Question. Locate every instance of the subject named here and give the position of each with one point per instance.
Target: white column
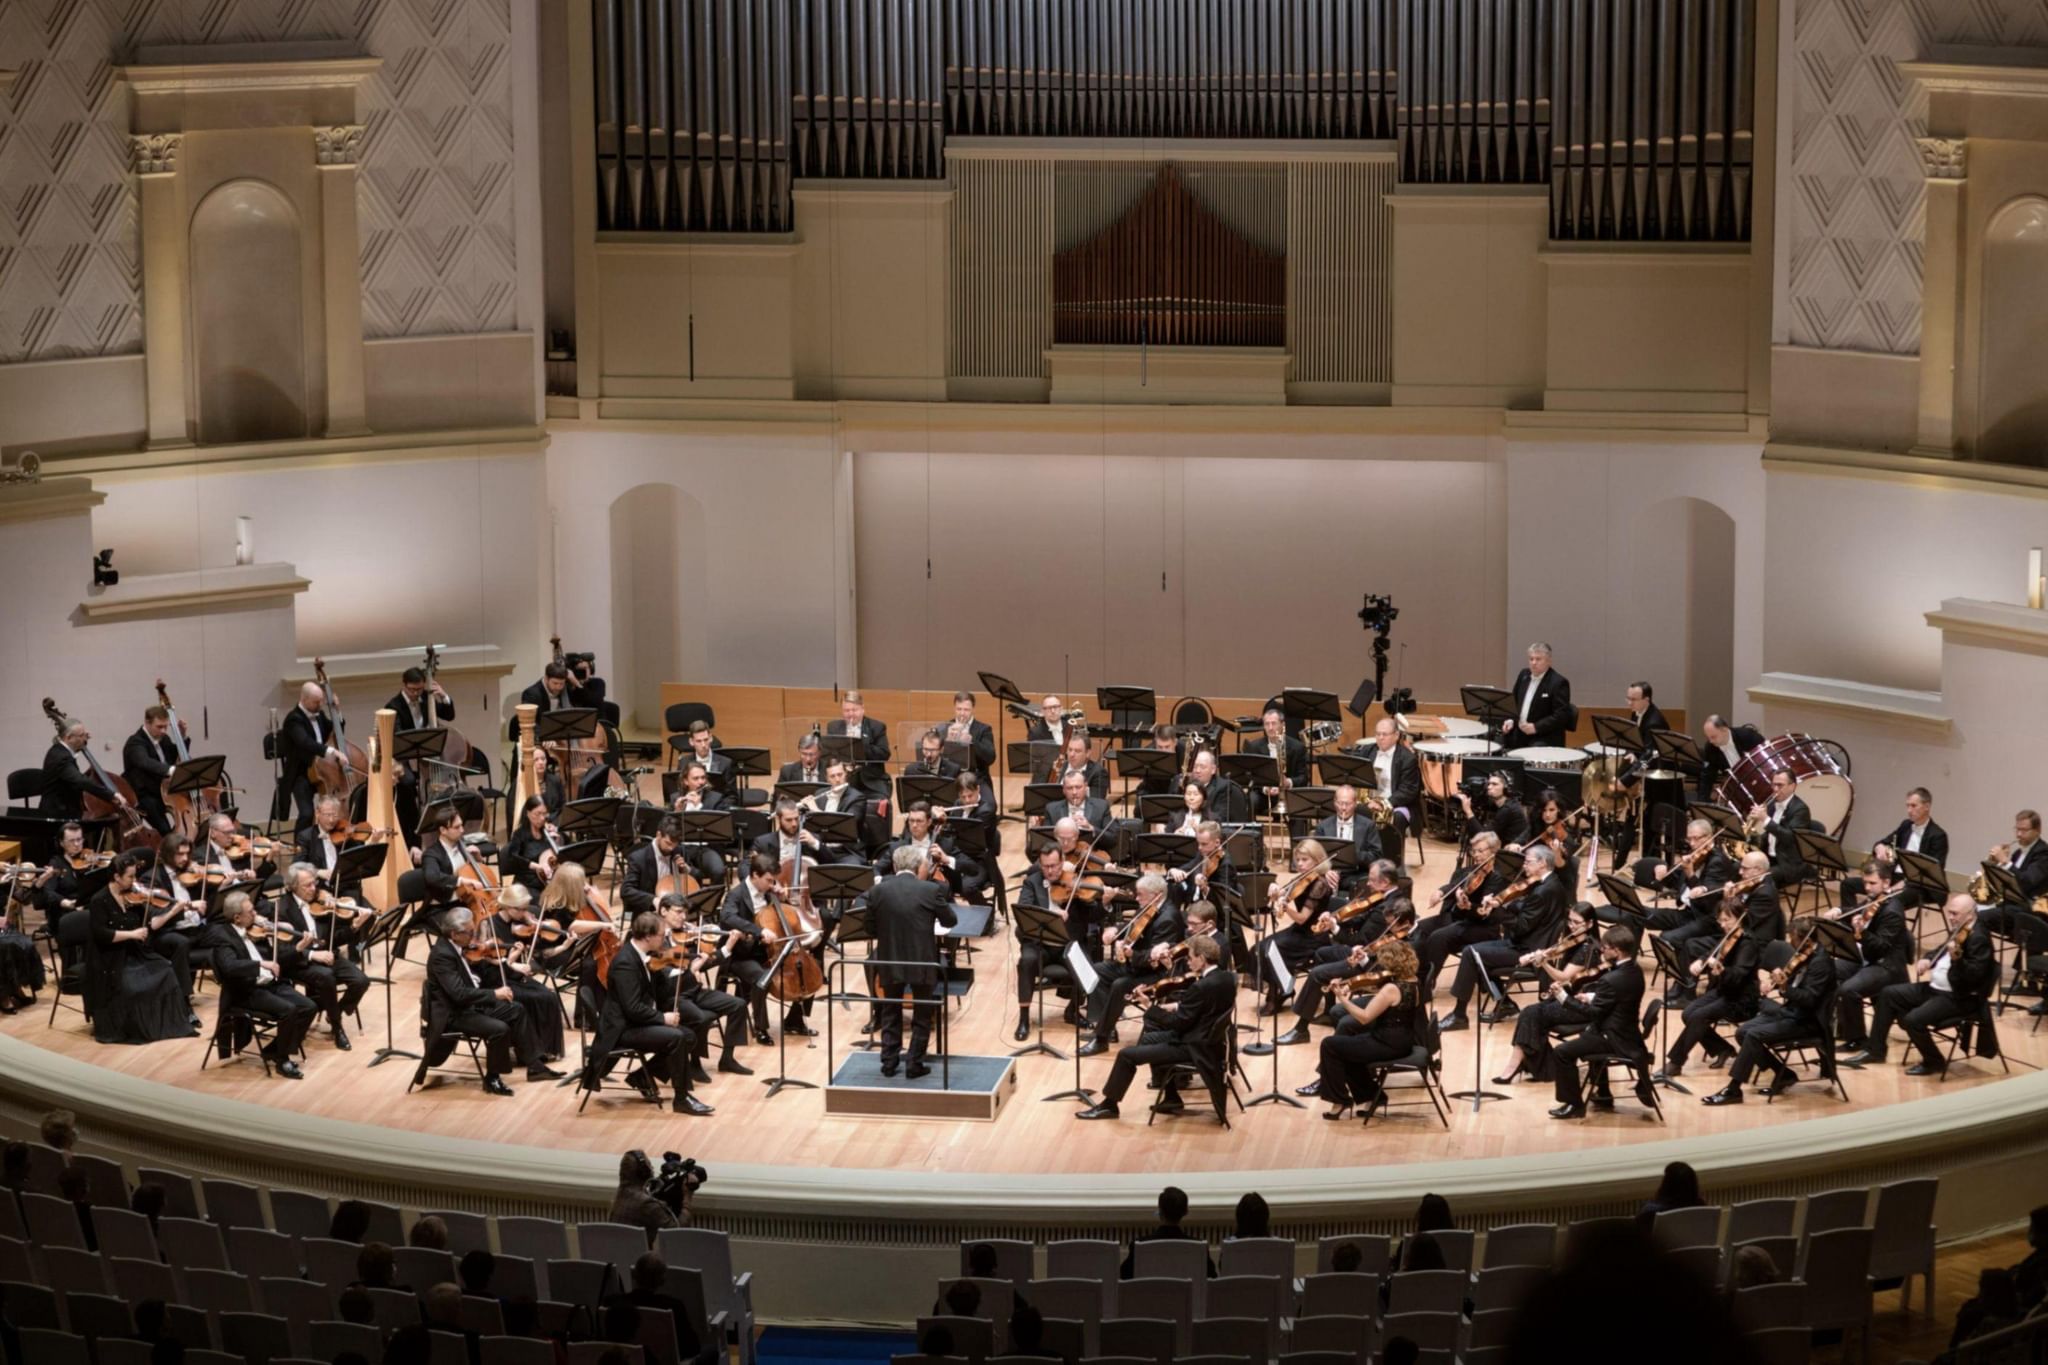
(335, 151)
(154, 159)
(1947, 163)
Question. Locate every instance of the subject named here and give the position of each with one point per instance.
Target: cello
(789, 918)
(115, 800)
(331, 776)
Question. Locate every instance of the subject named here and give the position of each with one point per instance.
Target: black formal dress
(518, 855)
(542, 1005)
(908, 913)
(1538, 1024)
(133, 991)
(21, 967)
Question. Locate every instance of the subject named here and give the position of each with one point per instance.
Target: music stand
(1314, 804)
(1924, 875)
(748, 760)
(1838, 937)
(418, 750)
(1479, 1094)
(589, 855)
(1138, 765)
(1283, 983)
(795, 790)
(1036, 837)
(838, 827)
(1251, 771)
(1163, 809)
(1620, 732)
(1679, 751)
(1488, 705)
(359, 862)
(852, 750)
(1170, 850)
(379, 933)
(1672, 967)
(1350, 770)
(194, 775)
(930, 789)
(1822, 852)
(1245, 845)
(1047, 929)
(706, 828)
(1727, 824)
(1039, 795)
(782, 1080)
(1624, 896)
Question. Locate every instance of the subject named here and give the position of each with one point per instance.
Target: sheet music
(1081, 967)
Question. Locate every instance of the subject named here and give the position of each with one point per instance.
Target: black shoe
(889, 1068)
(912, 1070)
(643, 1083)
(1717, 1061)
(871, 1027)
(543, 1072)
(1668, 1074)
(289, 1070)
(797, 1028)
(341, 1042)
(1023, 1033)
(1105, 1110)
(1094, 1047)
(1731, 1095)
(1309, 1091)
(731, 1067)
(1780, 1083)
(1507, 1009)
(1451, 1023)
(1569, 1111)
(765, 1038)
(1601, 1104)
(495, 1085)
(690, 1104)
(1508, 1079)
(698, 1075)
(1072, 1013)
(1926, 1068)
(1294, 1037)
(1862, 1059)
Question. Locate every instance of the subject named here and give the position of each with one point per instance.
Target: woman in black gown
(1391, 1019)
(526, 856)
(133, 993)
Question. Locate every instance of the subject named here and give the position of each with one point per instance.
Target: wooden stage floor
(1028, 1137)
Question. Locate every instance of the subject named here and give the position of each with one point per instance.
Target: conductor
(907, 911)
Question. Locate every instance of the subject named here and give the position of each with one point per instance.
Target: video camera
(675, 1179)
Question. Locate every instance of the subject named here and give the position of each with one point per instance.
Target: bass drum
(1820, 777)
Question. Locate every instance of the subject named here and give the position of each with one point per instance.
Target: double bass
(186, 815)
(456, 750)
(331, 776)
(115, 800)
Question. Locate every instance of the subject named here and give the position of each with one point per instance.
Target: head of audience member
(981, 1261)
(650, 1272)
(1433, 1214)
(475, 1270)
(351, 1221)
(441, 1306)
(963, 1299)
(1423, 1252)
(1680, 1187)
(59, 1129)
(1173, 1205)
(1346, 1259)
(353, 1304)
(429, 1232)
(148, 1200)
(1254, 1219)
(1751, 1267)
(376, 1266)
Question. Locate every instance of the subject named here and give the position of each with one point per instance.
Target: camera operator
(588, 689)
(655, 1200)
(1497, 809)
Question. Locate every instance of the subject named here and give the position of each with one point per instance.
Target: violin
(88, 862)
(1353, 909)
(1781, 975)
(679, 953)
(245, 846)
(1717, 958)
(271, 929)
(342, 835)
(1511, 892)
(1564, 989)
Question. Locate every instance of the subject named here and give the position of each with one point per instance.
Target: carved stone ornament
(1945, 158)
(154, 153)
(337, 146)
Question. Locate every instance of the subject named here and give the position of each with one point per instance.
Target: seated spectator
(1433, 1214)
(149, 1200)
(1995, 1308)
(2030, 1276)
(1752, 1267)
(441, 1311)
(650, 1274)
(59, 1129)
(981, 1261)
(72, 1185)
(962, 1299)
(1346, 1259)
(1027, 1333)
(1254, 1219)
(476, 1269)
(1680, 1189)
(1612, 1293)
(430, 1233)
(353, 1305)
(1173, 1207)
(377, 1268)
(351, 1221)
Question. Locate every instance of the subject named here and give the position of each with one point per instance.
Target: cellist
(754, 947)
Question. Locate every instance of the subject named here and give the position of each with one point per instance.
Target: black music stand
(1727, 824)
(1159, 809)
(194, 775)
(1621, 732)
(1303, 706)
(380, 932)
(706, 828)
(1144, 765)
(837, 827)
(359, 862)
(1924, 875)
(1349, 770)
(1246, 846)
(1169, 850)
(748, 760)
(1313, 804)
(852, 750)
(1253, 772)
(1479, 1094)
(1283, 983)
(1006, 695)
(1671, 967)
(932, 790)
(1624, 896)
(1678, 751)
(1488, 705)
(1047, 929)
(795, 790)
(853, 927)
(1129, 708)
(782, 1080)
(1839, 937)
(1085, 976)
(419, 750)
(590, 855)
(1039, 795)
(598, 818)
(1823, 856)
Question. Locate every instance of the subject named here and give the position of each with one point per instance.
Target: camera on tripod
(1378, 613)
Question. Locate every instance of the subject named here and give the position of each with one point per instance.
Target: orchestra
(675, 934)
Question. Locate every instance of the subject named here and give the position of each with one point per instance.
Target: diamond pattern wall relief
(1856, 192)
(434, 190)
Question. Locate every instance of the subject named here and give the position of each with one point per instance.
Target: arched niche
(248, 315)
(2012, 380)
(657, 554)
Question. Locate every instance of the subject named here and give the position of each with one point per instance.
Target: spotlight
(104, 574)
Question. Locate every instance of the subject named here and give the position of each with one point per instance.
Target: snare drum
(1542, 759)
(1819, 779)
(1443, 763)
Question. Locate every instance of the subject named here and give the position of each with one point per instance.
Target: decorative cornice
(248, 66)
(1996, 625)
(1945, 158)
(178, 594)
(48, 498)
(154, 153)
(1887, 705)
(1976, 70)
(337, 146)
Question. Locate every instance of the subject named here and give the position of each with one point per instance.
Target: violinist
(68, 776)
(324, 841)
(21, 968)
(569, 904)
(1173, 1033)
(1575, 953)
(1390, 1020)
(1211, 876)
(937, 855)
(1763, 914)
(304, 739)
(1884, 945)
(1222, 798)
(132, 991)
(177, 912)
(1607, 1019)
(1089, 813)
(1273, 740)
(320, 930)
(805, 767)
(1135, 954)
(965, 732)
(1460, 920)
(1728, 978)
(146, 760)
(514, 929)
(1799, 1013)
(1346, 824)
(1695, 878)
(855, 723)
(699, 1005)
(1047, 886)
(1347, 951)
(1500, 812)
(1559, 830)
(753, 947)
(441, 860)
(527, 856)
(1955, 982)
(653, 863)
(1530, 913)
(636, 1016)
(457, 1002)
(931, 758)
(254, 975)
(60, 889)
(233, 855)
(697, 794)
(1297, 902)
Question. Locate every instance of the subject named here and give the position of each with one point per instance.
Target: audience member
(981, 1261)
(353, 1305)
(476, 1269)
(2030, 1276)
(441, 1311)
(961, 1299)
(351, 1221)
(1254, 1219)
(649, 1276)
(1433, 1214)
(1751, 1267)
(429, 1233)
(1614, 1292)
(1027, 1333)
(1346, 1259)
(73, 1185)
(149, 1200)
(377, 1268)
(14, 1167)
(1995, 1308)
(1680, 1189)
(1173, 1207)
(59, 1129)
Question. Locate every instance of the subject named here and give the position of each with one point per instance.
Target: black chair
(1599, 1064)
(1425, 1062)
(235, 1031)
(23, 785)
(597, 1067)
(1960, 1037)
(70, 964)
(1211, 1066)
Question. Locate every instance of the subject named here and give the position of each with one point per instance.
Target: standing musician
(907, 911)
(1298, 902)
(936, 854)
(440, 860)
(304, 739)
(931, 760)
(1397, 777)
(2026, 857)
(322, 842)
(1089, 812)
(1544, 714)
(1389, 1022)
(1576, 952)
(1648, 721)
(1728, 974)
(1046, 887)
(1777, 818)
(971, 734)
(1222, 798)
(527, 856)
(1725, 746)
(753, 948)
(633, 1017)
(1274, 741)
(1501, 812)
(1954, 983)
(587, 688)
(1531, 911)
(1884, 945)
(132, 993)
(1345, 824)
(418, 705)
(59, 889)
(1607, 1016)
(321, 931)
(1212, 877)
(805, 767)
(177, 917)
(1349, 946)
(1172, 1033)
(699, 1005)
(1135, 953)
(696, 793)
(1917, 833)
(455, 1001)
(1461, 918)
(68, 775)
(251, 979)
(1799, 1012)
(515, 966)
(653, 862)
(855, 723)
(146, 760)
(1695, 879)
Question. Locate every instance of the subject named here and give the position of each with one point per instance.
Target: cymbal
(1663, 774)
(1600, 784)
